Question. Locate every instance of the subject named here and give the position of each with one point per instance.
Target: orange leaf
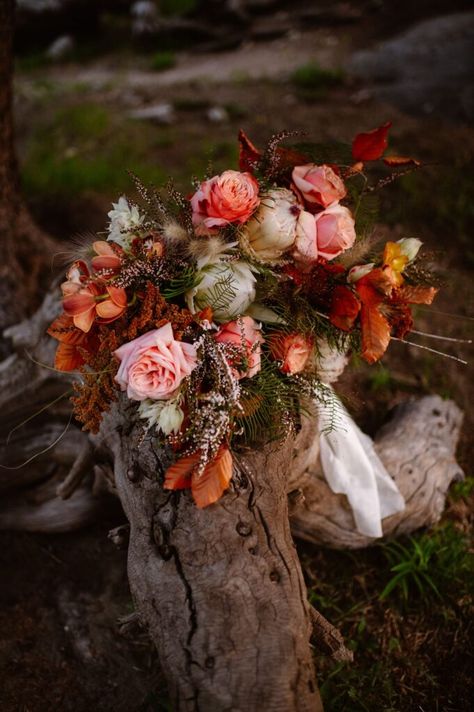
(63, 329)
(68, 357)
(418, 295)
(375, 327)
(370, 145)
(208, 487)
(345, 308)
(178, 476)
(401, 161)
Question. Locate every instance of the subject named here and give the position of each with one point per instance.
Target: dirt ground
(61, 647)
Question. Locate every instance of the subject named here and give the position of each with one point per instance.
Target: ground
(62, 595)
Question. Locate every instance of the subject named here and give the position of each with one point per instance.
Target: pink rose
(153, 365)
(318, 185)
(243, 337)
(231, 197)
(332, 232)
(293, 350)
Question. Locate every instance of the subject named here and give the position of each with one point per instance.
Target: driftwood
(220, 590)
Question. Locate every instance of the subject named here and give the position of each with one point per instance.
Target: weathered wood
(221, 589)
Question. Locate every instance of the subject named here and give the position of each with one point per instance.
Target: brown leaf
(249, 155)
(178, 476)
(208, 487)
(375, 327)
(418, 295)
(401, 161)
(345, 308)
(68, 357)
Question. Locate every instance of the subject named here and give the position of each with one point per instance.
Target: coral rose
(293, 350)
(153, 365)
(333, 232)
(244, 338)
(229, 198)
(318, 185)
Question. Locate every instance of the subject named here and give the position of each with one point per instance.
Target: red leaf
(401, 161)
(375, 327)
(178, 476)
(345, 308)
(418, 295)
(209, 487)
(370, 146)
(249, 155)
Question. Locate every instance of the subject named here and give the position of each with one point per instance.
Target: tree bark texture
(220, 589)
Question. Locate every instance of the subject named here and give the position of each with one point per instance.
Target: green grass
(312, 82)
(161, 61)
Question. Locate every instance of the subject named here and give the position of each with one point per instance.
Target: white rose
(167, 416)
(227, 287)
(124, 220)
(410, 247)
(272, 230)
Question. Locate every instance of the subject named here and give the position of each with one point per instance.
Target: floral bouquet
(209, 311)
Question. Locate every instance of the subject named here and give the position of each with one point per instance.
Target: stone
(158, 113)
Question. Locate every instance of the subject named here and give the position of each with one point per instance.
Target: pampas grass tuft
(174, 232)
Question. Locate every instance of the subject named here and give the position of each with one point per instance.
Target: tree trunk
(221, 589)
(25, 252)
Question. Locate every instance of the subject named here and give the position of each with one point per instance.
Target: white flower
(124, 220)
(272, 230)
(410, 247)
(359, 271)
(167, 416)
(227, 287)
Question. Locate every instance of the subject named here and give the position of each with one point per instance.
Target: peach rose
(229, 198)
(293, 350)
(153, 365)
(333, 232)
(244, 338)
(318, 185)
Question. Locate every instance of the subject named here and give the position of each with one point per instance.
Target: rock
(427, 69)
(145, 18)
(60, 48)
(158, 113)
(217, 114)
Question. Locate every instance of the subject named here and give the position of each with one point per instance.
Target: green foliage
(424, 565)
(462, 489)
(179, 285)
(177, 7)
(162, 60)
(313, 82)
(380, 378)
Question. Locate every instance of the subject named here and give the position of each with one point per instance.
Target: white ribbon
(352, 467)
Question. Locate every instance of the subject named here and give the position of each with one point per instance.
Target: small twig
(329, 638)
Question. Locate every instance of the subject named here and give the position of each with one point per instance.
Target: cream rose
(293, 350)
(153, 365)
(231, 197)
(318, 185)
(332, 232)
(272, 230)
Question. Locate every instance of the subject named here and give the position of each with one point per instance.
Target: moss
(312, 82)
(161, 61)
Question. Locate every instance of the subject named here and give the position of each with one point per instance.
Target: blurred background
(161, 88)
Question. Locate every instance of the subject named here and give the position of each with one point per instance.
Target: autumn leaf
(369, 146)
(345, 308)
(249, 155)
(62, 329)
(68, 357)
(418, 295)
(374, 326)
(178, 476)
(395, 161)
(209, 487)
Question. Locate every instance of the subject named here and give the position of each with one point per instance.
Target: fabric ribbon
(352, 467)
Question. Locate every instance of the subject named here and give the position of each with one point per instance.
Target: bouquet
(209, 312)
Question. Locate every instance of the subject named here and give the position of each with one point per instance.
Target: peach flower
(332, 232)
(231, 197)
(153, 365)
(318, 185)
(244, 338)
(293, 350)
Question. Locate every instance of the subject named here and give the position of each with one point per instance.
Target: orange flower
(92, 301)
(107, 257)
(394, 262)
